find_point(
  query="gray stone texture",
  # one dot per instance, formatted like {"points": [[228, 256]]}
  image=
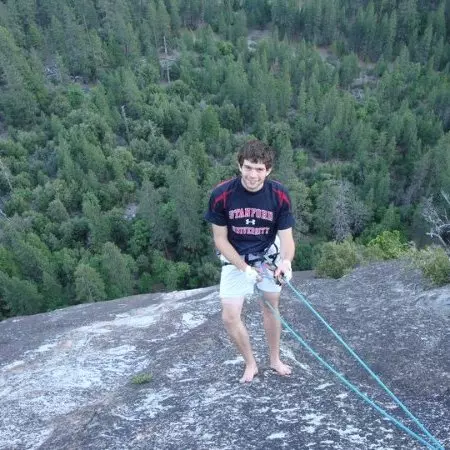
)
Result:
{"points": [[66, 377]]}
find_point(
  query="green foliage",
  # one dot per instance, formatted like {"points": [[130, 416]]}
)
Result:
{"points": [[140, 238], [117, 271], [57, 212], [337, 259], [172, 275], [142, 378], [51, 291], [348, 70], [145, 283], [209, 125], [390, 221], [434, 263], [157, 217], [176, 275], [98, 226], [91, 126], [387, 245], [203, 273], [304, 256], [21, 88], [20, 296], [8, 265], [89, 286], [186, 197]]}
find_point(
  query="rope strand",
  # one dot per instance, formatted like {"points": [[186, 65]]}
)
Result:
{"points": [[436, 444], [365, 366], [351, 386]]}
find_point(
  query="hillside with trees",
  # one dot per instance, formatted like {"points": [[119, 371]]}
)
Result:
{"points": [[117, 117]]}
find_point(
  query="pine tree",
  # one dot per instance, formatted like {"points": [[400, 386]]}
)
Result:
{"points": [[235, 87], [89, 286], [186, 196], [150, 209], [329, 24], [423, 52], [99, 228], [117, 271], [175, 20], [18, 102], [20, 296], [261, 122], [348, 70], [407, 21], [210, 125], [279, 138]]}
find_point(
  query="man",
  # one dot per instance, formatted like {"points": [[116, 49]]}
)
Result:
{"points": [[250, 215]]}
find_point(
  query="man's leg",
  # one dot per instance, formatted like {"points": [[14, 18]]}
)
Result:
{"points": [[272, 326], [231, 316]]}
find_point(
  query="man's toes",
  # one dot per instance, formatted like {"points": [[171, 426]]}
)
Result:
{"points": [[282, 369], [248, 376]]}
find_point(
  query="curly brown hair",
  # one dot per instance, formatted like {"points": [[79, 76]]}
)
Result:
{"points": [[256, 152]]}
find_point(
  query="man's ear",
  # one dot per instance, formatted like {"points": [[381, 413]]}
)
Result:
{"points": [[268, 172]]}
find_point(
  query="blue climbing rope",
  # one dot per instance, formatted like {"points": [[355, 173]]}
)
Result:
{"points": [[366, 367], [350, 385], [436, 444]]}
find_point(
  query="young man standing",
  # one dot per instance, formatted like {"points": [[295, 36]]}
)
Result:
{"points": [[251, 218]]}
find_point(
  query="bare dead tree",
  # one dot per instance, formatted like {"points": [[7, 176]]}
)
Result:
{"points": [[167, 57], [3, 215], [350, 215], [5, 173], [341, 213], [439, 222], [8, 180], [125, 121]]}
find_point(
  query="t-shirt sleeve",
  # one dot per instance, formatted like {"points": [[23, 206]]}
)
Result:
{"points": [[285, 218], [215, 213]]}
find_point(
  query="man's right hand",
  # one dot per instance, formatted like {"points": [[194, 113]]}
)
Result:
{"points": [[252, 275]]}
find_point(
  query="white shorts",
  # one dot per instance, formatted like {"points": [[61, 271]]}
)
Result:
{"points": [[234, 283]]}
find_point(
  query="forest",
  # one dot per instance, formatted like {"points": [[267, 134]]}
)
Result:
{"points": [[118, 117]]}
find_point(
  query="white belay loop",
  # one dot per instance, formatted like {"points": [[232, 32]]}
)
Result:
{"points": [[436, 445]]}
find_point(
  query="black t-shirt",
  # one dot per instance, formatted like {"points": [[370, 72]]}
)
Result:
{"points": [[252, 218]]}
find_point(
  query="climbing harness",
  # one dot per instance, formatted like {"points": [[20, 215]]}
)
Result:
{"points": [[269, 255], [435, 445]]}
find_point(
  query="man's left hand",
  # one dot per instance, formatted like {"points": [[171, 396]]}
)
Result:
{"points": [[283, 272]]}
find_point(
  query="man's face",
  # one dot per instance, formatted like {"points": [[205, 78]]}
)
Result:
{"points": [[253, 175]]}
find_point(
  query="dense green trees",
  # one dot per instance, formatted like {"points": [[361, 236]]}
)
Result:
{"points": [[118, 117]]}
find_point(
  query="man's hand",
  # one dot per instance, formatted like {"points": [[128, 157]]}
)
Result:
{"points": [[283, 272], [252, 275]]}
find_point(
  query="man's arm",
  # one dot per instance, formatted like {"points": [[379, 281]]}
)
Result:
{"points": [[287, 244], [220, 235], [287, 251]]}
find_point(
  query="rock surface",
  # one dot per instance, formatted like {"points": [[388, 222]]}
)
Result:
{"points": [[66, 377]]}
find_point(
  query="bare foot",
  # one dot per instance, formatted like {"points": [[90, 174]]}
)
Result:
{"points": [[281, 368], [249, 374]]}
